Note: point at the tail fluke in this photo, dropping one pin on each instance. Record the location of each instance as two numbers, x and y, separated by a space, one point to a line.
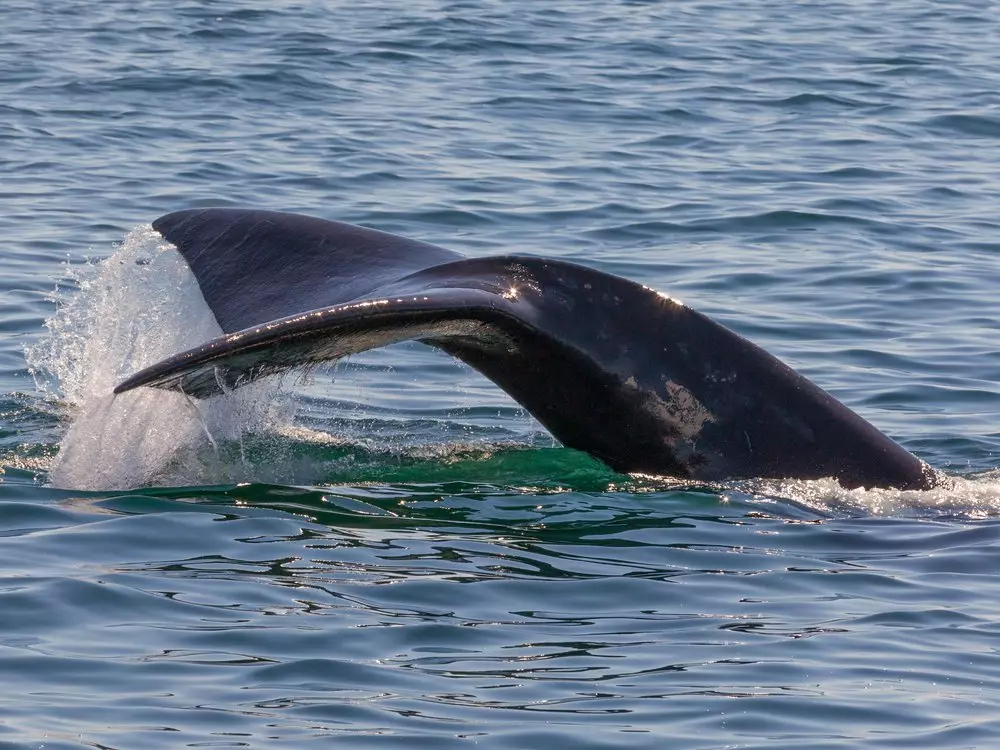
608 366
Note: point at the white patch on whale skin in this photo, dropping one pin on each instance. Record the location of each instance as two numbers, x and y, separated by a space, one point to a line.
680 409
687 412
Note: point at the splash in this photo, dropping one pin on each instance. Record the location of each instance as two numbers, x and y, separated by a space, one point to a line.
132 309
969 497
972 496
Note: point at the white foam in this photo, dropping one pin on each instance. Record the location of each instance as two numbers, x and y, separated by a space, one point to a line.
971 497
133 309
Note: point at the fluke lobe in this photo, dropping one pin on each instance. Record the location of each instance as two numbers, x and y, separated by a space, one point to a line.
609 366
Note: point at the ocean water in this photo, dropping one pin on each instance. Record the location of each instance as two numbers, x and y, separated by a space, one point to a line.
391 552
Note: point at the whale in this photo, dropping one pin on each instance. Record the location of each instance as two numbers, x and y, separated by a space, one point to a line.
608 366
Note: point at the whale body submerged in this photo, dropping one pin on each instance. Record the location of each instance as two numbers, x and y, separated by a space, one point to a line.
608 366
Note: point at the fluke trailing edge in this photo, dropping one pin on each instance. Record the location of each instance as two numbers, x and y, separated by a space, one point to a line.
609 366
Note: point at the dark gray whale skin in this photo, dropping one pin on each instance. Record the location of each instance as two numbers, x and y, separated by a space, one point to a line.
610 367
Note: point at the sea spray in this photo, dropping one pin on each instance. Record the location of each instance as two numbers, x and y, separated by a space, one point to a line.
138 306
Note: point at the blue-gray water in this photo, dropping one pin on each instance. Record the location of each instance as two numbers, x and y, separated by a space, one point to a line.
396 555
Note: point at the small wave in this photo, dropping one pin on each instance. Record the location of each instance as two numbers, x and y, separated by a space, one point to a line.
781 219
899 61
391 55
668 140
787 219
152 84
973 125
811 100
857 173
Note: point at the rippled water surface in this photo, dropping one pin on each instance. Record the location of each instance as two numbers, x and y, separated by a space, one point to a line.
392 552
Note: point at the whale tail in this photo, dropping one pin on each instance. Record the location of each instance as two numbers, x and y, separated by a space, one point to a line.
608 366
